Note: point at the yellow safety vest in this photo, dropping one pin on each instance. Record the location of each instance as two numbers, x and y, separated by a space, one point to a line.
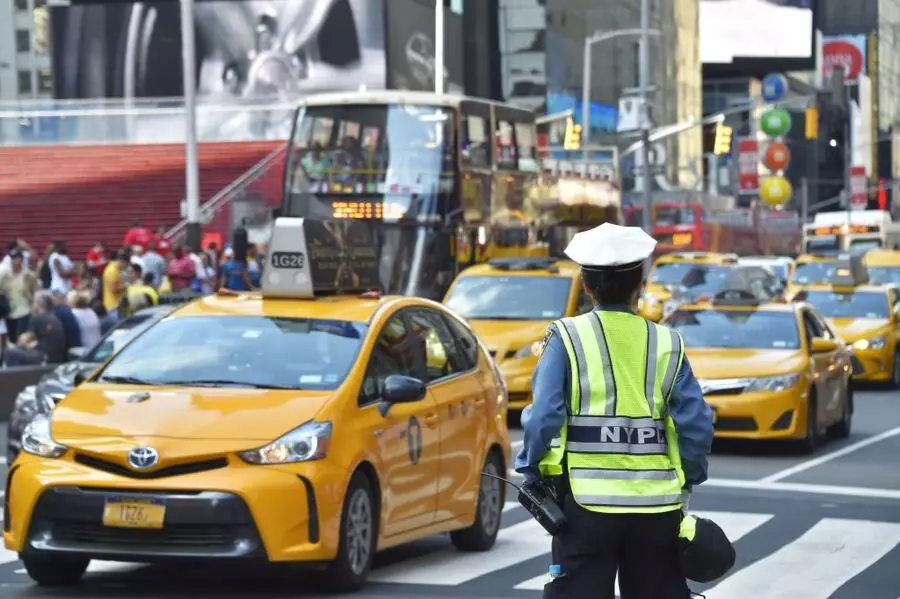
619 441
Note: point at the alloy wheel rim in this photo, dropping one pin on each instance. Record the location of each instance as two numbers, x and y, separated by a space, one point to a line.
489 500
359 531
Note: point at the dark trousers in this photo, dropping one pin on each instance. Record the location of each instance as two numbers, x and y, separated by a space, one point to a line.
15 327
642 548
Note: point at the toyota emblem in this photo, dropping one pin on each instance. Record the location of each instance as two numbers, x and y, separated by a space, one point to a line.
142 458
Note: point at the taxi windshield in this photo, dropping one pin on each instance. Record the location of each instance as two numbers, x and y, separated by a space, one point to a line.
241 351
736 329
127 330
880 275
813 273
510 298
861 304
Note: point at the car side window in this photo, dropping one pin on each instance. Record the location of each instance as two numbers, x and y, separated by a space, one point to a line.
467 345
812 327
434 339
394 353
823 326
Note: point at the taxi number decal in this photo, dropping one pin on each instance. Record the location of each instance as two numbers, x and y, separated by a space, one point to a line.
288 259
414 440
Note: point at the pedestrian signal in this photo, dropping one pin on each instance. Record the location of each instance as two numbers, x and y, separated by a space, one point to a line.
722 145
573 136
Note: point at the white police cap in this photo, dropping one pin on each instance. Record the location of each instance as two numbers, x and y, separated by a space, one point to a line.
610 246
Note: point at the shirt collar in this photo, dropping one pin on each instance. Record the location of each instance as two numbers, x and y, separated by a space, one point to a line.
614 308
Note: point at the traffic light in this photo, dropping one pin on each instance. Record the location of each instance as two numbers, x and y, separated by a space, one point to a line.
812 122
572 140
722 144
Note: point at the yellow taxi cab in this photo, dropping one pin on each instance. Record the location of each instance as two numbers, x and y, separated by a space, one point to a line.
668 273
810 270
866 316
299 424
770 371
510 303
883 266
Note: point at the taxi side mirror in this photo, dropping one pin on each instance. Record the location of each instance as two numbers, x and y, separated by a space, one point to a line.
820 345
401 389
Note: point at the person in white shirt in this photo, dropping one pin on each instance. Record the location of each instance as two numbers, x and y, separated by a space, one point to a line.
88 321
61 268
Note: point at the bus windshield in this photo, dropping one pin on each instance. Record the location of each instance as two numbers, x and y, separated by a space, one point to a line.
382 162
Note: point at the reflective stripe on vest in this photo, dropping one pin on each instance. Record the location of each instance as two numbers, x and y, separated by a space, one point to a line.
620 443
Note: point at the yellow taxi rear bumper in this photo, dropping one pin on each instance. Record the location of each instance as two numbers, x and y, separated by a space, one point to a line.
273 513
760 415
872 365
517 373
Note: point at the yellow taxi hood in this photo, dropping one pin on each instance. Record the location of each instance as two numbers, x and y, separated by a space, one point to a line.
509 334
728 363
853 329
658 291
200 414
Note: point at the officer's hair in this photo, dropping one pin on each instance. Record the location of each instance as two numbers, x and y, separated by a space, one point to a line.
613 287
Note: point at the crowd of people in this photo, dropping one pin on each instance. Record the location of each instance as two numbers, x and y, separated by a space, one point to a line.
51 302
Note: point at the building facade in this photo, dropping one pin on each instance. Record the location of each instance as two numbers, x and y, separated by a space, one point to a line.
523 56
24 50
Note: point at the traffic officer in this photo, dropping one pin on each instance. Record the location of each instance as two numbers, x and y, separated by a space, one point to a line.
619 423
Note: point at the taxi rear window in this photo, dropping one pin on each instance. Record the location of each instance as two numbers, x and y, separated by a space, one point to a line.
510 298
880 275
861 304
702 278
736 329
241 351
813 273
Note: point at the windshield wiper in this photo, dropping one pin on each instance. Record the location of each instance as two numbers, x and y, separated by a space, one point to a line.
125 380
224 383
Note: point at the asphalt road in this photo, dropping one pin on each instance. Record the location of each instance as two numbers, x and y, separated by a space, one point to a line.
810 527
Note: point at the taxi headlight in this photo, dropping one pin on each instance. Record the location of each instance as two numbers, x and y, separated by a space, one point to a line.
303 444
876 343
773 383
649 300
38 441
533 349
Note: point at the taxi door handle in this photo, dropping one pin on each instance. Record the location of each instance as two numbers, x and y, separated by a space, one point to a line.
432 419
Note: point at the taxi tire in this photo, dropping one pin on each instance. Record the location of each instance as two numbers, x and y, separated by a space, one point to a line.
477 537
813 439
841 429
895 371
52 570
339 574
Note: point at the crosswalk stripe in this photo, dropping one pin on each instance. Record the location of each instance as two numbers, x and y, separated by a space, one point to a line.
735 525
815 565
449 567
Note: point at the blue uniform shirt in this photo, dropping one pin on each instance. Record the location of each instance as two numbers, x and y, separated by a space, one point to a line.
550 388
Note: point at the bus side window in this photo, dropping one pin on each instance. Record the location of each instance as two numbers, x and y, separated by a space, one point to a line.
475 141
526 142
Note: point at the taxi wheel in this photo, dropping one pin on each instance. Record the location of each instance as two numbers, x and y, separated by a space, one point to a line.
54 570
811 441
895 371
483 533
359 530
841 430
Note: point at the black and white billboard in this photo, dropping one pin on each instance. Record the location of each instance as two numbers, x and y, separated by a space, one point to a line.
754 37
410 47
245 48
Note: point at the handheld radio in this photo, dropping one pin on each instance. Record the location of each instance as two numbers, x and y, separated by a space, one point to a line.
540 500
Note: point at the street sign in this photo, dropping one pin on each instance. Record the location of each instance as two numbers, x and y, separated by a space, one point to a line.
774 87
775 122
748 165
859 196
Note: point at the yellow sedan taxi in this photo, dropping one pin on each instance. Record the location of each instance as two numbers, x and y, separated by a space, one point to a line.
810 270
770 371
883 266
866 316
669 272
510 303
281 426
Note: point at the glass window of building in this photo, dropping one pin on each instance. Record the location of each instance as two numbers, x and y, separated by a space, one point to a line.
24 82
23 40
22 5
45 81
41 30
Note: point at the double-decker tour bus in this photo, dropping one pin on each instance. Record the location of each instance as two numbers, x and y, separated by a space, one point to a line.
444 177
689 227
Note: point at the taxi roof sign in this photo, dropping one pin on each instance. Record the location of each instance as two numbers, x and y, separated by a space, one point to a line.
735 297
850 271
309 258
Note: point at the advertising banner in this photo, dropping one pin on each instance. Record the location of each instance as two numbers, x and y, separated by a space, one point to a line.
845 51
748 165
859 196
245 48
410 47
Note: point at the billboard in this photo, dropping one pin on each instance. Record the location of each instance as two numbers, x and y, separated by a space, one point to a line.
245 48
754 37
410 47
847 52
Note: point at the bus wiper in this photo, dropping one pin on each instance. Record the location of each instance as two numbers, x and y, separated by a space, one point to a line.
125 380
225 383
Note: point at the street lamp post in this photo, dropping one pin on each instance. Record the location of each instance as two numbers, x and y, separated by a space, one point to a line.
601 36
191 166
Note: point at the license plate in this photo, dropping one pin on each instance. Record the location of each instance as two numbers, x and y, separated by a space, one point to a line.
134 513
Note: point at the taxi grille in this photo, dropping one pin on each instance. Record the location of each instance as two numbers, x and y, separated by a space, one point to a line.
172 536
176 470
738 424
